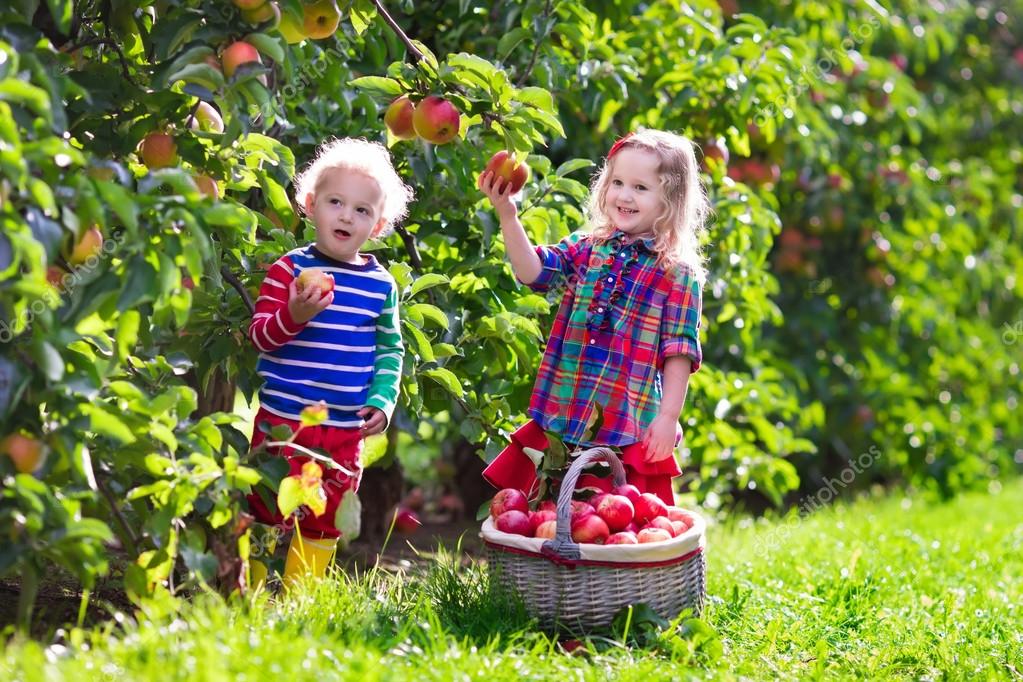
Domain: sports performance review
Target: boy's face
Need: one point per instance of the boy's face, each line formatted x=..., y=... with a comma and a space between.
x=347, y=210
x=633, y=198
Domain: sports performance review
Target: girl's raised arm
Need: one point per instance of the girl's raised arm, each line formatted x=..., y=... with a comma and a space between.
x=521, y=253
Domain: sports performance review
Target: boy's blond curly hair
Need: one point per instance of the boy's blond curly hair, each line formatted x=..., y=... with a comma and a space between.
x=361, y=156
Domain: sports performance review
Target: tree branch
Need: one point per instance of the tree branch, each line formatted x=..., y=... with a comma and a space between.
x=242, y=291
x=410, y=247
x=536, y=46
x=413, y=51
x=133, y=540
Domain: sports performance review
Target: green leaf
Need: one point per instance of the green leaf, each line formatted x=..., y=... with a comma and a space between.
x=270, y=46
x=49, y=360
x=377, y=85
x=432, y=313
x=573, y=165
x=430, y=279
x=61, y=11
x=348, y=518
x=445, y=378
x=121, y=201
x=106, y=424
x=537, y=97
x=289, y=497
x=510, y=40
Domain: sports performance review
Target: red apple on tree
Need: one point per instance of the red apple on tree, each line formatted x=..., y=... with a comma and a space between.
x=89, y=245
x=158, y=150
x=436, y=120
x=506, y=167
x=26, y=453
x=236, y=54
x=207, y=119
x=321, y=19
x=399, y=118
x=509, y=499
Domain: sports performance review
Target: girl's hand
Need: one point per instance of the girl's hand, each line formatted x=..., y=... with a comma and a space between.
x=659, y=439
x=308, y=304
x=375, y=420
x=499, y=192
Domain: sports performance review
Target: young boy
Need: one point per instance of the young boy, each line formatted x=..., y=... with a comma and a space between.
x=338, y=342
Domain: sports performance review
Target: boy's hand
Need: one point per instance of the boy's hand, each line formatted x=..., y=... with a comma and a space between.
x=659, y=439
x=308, y=304
x=375, y=420
x=499, y=192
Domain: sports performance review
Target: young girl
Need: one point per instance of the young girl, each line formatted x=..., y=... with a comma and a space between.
x=626, y=335
x=339, y=344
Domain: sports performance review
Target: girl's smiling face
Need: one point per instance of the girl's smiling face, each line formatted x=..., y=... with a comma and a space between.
x=346, y=209
x=633, y=200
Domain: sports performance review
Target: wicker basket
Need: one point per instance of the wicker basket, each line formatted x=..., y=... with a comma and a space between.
x=568, y=586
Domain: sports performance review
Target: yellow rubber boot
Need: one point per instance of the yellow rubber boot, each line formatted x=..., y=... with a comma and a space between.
x=307, y=557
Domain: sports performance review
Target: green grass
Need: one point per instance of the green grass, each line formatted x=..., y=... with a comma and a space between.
x=892, y=588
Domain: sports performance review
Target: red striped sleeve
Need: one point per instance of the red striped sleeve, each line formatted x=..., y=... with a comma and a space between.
x=272, y=325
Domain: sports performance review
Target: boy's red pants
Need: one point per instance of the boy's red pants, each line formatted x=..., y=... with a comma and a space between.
x=344, y=447
x=512, y=468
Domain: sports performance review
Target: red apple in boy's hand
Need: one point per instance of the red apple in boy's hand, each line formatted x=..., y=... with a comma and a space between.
x=514, y=522
x=314, y=277
x=623, y=538
x=547, y=529
x=508, y=499
x=538, y=517
x=648, y=507
x=616, y=510
x=653, y=535
x=628, y=490
x=663, y=523
x=590, y=529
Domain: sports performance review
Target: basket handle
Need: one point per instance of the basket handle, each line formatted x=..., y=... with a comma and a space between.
x=562, y=545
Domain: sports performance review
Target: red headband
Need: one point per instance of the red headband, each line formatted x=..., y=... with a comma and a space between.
x=619, y=144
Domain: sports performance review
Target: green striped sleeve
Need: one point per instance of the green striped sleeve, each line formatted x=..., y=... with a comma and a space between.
x=383, y=392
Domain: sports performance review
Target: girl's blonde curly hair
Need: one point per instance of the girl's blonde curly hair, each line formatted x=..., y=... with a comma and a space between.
x=369, y=158
x=680, y=229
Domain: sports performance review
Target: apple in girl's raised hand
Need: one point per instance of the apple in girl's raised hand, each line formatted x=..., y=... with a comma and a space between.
x=506, y=167
x=628, y=490
x=648, y=507
x=590, y=529
x=622, y=538
x=514, y=522
x=653, y=535
x=508, y=499
x=314, y=277
x=616, y=510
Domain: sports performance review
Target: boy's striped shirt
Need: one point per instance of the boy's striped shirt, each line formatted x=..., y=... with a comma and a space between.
x=349, y=355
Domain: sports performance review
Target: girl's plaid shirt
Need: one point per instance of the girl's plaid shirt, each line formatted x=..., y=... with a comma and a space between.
x=620, y=316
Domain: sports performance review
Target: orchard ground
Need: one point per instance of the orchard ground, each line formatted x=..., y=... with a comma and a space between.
x=886, y=587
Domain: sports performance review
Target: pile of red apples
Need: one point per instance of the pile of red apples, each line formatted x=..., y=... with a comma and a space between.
x=623, y=516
